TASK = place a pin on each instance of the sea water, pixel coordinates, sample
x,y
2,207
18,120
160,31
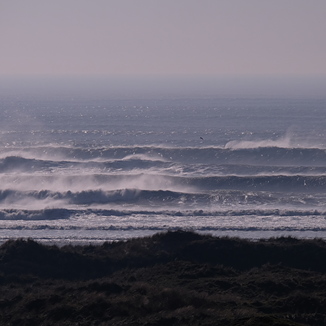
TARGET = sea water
x,y
88,169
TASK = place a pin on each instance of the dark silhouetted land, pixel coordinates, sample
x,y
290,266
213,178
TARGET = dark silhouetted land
x,y
174,278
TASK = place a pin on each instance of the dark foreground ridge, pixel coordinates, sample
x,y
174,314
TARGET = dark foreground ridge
x,y
173,278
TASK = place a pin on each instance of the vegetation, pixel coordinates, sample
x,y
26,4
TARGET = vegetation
x,y
173,278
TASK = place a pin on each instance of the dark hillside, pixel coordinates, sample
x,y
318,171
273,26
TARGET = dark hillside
x,y
174,278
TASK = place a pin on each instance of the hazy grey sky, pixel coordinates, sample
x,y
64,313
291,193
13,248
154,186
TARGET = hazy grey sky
x,y
162,37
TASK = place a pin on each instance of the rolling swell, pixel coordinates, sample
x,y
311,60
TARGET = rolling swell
x,y
217,155
139,187
279,183
296,156
19,163
91,197
43,214
166,199
12,164
58,213
265,160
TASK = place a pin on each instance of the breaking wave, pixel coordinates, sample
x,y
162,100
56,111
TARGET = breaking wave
x,y
232,153
66,214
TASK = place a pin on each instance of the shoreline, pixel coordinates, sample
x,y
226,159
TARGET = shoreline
x,y
175,278
120,235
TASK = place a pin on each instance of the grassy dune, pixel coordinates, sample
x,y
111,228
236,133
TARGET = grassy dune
x,y
174,278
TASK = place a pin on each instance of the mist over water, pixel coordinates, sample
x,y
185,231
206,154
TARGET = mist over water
x,y
163,87
97,165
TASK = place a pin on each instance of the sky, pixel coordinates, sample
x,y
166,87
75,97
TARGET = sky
x,y
162,37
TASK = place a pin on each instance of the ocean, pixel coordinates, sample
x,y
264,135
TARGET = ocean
x,y
87,169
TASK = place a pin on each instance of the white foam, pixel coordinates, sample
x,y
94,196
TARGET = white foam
x,y
283,142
